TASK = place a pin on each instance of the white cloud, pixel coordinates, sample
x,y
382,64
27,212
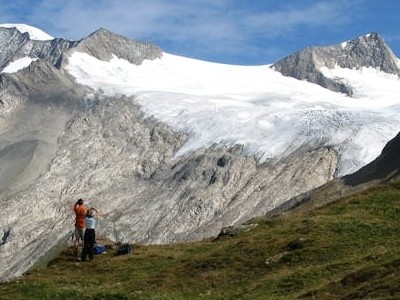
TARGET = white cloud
x,y
320,14
179,19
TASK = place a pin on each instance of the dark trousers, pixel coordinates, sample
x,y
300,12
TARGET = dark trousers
x,y
88,244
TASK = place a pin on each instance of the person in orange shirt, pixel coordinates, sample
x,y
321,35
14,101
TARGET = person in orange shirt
x,y
80,224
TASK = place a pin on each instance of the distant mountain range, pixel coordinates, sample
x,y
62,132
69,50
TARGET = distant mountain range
x,y
172,149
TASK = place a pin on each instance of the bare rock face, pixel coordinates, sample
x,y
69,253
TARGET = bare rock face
x,y
16,45
96,152
17,41
366,51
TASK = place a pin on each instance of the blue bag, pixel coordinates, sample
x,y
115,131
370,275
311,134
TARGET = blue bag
x,y
99,249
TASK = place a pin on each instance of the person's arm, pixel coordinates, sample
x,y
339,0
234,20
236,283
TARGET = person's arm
x,y
94,209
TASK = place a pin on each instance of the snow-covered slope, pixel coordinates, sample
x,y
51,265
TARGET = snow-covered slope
x,y
270,114
34,33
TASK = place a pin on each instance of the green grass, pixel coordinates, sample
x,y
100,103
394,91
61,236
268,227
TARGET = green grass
x,y
349,249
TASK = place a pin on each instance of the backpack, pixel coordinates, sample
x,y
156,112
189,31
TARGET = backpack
x,y
124,249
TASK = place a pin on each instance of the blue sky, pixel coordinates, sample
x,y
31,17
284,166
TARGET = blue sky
x,y
249,32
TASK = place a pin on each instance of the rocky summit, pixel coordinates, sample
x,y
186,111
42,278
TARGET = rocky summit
x,y
61,140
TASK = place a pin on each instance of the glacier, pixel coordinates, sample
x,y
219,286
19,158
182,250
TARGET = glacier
x,y
255,106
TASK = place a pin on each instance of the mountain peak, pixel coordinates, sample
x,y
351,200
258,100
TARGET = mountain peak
x,y
369,51
371,42
103,44
102,32
373,37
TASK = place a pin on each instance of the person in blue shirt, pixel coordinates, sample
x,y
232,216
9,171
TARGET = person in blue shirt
x,y
89,238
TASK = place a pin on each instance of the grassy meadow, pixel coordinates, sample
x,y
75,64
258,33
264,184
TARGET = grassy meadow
x,y
349,249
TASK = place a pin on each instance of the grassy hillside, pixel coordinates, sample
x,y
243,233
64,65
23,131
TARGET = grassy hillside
x,y
349,249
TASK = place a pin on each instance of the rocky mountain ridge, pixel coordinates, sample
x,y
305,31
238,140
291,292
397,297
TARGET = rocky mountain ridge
x,y
16,45
366,51
61,141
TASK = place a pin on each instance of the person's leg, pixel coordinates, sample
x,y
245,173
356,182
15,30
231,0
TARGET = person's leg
x,y
86,242
76,238
91,244
79,236
76,241
84,252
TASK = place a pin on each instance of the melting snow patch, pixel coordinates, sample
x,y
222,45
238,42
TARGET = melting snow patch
x,y
18,65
